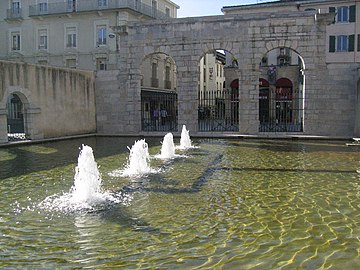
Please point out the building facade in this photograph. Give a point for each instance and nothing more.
(277, 76)
(342, 61)
(72, 33)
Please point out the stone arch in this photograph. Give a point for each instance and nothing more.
(159, 105)
(23, 93)
(11, 125)
(282, 111)
(218, 101)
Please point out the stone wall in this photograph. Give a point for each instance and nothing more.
(58, 102)
(328, 111)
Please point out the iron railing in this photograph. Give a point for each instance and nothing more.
(16, 130)
(281, 115)
(14, 14)
(158, 110)
(218, 110)
(93, 5)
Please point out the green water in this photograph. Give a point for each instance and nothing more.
(228, 205)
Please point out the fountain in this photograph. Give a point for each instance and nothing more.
(85, 194)
(138, 161)
(168, 147)
(87, 180)
(291, 205)
(185, 141)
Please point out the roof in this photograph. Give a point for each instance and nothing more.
(277, 3)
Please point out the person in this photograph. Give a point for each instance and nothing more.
(163, 113)
(156, 118)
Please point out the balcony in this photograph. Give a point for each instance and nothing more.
(14, 14)
(94, 5)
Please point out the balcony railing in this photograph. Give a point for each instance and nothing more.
(14, 14)
(93, 5)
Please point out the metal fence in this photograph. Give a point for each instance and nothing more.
(158, 110)
(280, 113)
(16, 130)
(218, 110)
(93, 5)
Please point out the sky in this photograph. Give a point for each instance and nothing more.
(193, 8)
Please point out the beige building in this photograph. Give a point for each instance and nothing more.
(343, 36)
(72, 33)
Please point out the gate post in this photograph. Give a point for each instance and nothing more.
(33, 123)
(3, 126)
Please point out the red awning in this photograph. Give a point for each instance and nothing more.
(263, 82)
(284, 82)
(234, 84)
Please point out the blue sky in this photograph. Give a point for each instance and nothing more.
(193, 8)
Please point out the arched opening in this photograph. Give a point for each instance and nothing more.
(281, 91)
(16, 118)
(264, 101)
(218, 92)
(158, 93)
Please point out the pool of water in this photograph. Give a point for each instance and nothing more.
(227, 204)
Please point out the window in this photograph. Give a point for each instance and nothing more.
(43, 7)
(342, 43)
(42, 39)
(154, 7)
(167, 12)
(15, 41)
(71, 37)
(71, 5)
(15, 7)
(154, 78)
(102, 3)
(343, 14)
(167, 76)
(71, 63)
(43, 62)
(101, 35)
(101, 64)
(137, 4)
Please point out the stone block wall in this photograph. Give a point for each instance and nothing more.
(58, 102)
(328, 111)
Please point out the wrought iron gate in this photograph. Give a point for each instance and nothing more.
(280, 110)
(219, 110)
(158, 110)
(15, 119)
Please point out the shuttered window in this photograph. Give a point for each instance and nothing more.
(332, 10)
(351, 43)
(342, 43)
(332, 40)
(352, 15)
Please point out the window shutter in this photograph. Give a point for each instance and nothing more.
(332, 10)
(332, 40)
(352, 14)
(351, 43)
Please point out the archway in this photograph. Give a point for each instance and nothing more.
(218, 92)
(16, 117)
(158, 93)
(281, 91)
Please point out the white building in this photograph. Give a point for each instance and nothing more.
(343, 36)
(71, 33)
